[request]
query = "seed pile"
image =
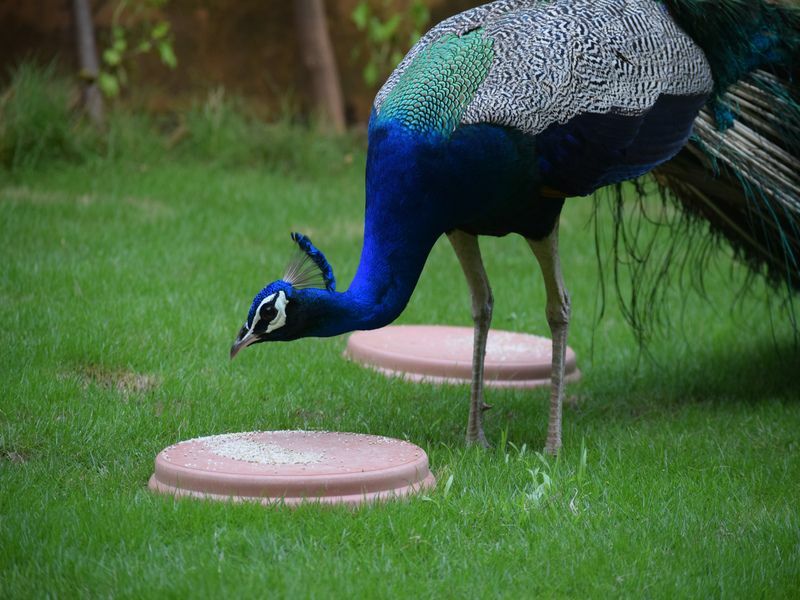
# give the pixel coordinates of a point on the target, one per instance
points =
(245, 447)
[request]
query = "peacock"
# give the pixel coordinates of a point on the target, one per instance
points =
(501, 112)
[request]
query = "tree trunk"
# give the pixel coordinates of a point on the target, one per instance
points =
(317, 53)
(87, 59)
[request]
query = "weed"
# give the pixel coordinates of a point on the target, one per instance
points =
(36, 123)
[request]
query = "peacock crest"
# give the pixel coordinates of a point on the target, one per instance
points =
(309, 268)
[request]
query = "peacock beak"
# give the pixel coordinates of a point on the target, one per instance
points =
(243, 340)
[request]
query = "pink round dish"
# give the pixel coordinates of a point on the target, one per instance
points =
(291, 467)
(443, 354)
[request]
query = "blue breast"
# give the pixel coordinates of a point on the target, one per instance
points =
(477, 179)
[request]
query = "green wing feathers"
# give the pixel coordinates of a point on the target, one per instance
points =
(439, 84)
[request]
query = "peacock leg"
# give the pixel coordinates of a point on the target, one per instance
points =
(558, 312)
(469, 255)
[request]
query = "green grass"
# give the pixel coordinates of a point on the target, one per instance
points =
(123, 284)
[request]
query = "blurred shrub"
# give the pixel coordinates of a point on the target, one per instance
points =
(38, 126)
(132, 137)
(222, 131)
(218, 129)
(36, 123)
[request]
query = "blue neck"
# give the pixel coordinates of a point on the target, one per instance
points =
(418, 186)
(400, 228)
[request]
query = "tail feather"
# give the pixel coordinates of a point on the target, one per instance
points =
(745, 179)
(740, 171)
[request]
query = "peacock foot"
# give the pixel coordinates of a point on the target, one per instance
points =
(552, 447)
(478, 439)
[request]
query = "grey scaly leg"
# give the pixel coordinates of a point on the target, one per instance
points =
(469, 255)
(558, 312)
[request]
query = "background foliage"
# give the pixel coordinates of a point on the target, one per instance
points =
(387, 36)
(136, 29)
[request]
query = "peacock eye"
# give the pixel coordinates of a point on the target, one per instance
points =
(268, 313)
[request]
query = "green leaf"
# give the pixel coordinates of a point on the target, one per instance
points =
(448, 485)
(167, 54)
(374, 28)
(360, 15)
(160, 30)
(111, 57)
(118, 32)
(144, 46)
(383, 32)
(108, 84)
(120, 45)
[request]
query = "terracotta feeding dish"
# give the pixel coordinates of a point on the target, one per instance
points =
(292, 467)
(442, 354)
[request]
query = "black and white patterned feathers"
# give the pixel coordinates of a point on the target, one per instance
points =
(559, 59)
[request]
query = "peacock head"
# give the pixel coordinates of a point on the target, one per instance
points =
(288, 309)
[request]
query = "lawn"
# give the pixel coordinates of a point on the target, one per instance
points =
(123, 285)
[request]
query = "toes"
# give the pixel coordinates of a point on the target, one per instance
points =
(478, 440)
(552, 448)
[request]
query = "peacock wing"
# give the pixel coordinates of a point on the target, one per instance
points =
(457, 25)
(609, 88)
(554, 61)
(584, 75)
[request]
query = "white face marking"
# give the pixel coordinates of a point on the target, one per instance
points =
(257, 316)
(280, 318)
